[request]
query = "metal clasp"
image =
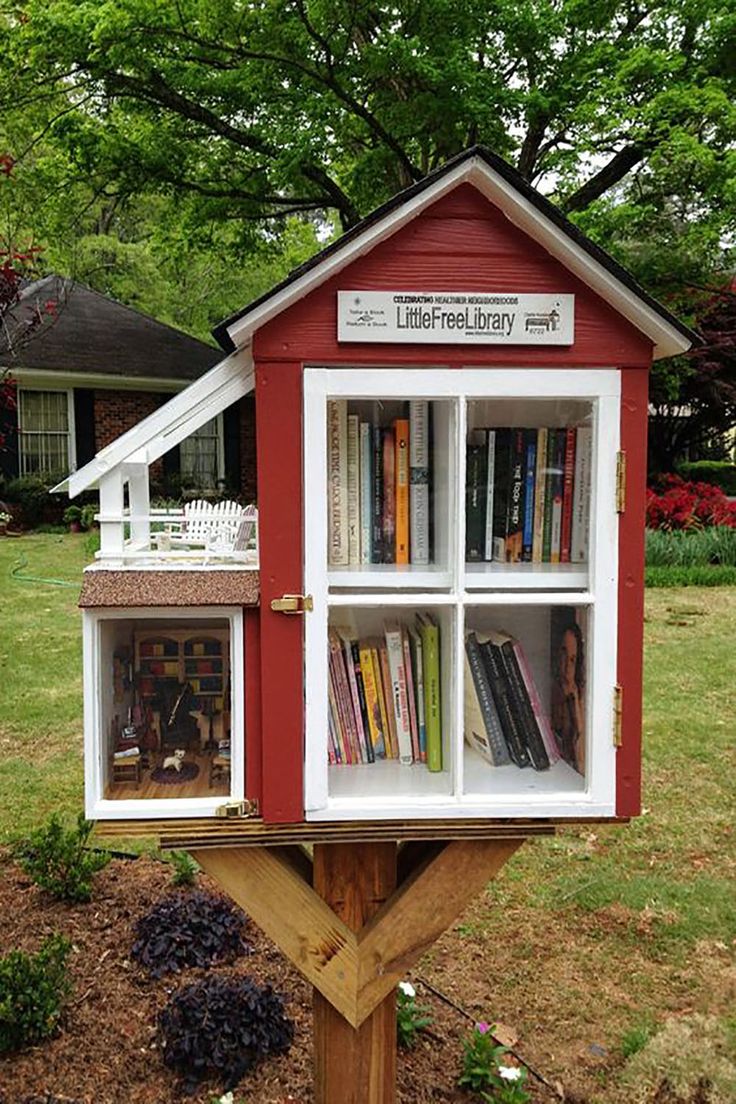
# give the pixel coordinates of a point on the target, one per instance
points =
(292, 603)
(246, 808)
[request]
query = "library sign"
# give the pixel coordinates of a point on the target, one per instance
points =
(455, 317)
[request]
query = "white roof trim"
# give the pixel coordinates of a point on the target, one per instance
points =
(166, 427)
(666, 339)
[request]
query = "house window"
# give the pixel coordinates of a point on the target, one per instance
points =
(45, 432)
(201, 455)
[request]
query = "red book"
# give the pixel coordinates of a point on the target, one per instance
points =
(568, 479)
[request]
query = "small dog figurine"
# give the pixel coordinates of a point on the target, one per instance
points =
(174, 762)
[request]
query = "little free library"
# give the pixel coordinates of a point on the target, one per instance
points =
(430, 629)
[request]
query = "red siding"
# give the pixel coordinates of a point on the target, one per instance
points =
(634, 395)
(279, 437)
(460, 243)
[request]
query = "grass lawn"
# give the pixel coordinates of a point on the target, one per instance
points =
(613, 934)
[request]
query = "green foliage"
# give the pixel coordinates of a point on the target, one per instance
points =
(636, 1037)
(33, 988)
(714, 575)
(72, 514)
(57, 859)
(89, 514)
(691, 548)
(31, 494)
(411, 1018)
(482, 1055)
(720, 472)
(696, 1055)
(185, 868)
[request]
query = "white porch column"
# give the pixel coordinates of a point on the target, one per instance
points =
(139, 501)
(112, 503)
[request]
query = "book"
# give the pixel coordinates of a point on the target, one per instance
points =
(418, 660)
(567, 697)
(338, 724)
(411, 694)
(377, 495)
(419, 480)
(482, 726)
(490, 492)
(558, 475)
(502, 475)
(353, 489)
(520, 702)
(373, 709)
(382, 703)
(475, 497)
(549, 479)
(501, 692)
(568, 480)
(337, 482)
(388, 519)
(343, 699)
(515, 510)
(398, 690)
(387, 688)
(540, 713)
(401, 435)
(366, 490)
(363, 738)
(530, 475)
(582, 485)
(540, 491)
(430, 634)
(363, 705)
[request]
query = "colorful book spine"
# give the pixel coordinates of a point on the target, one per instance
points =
(388, 521)
(530, 475)
(362, 704)
(482, 722)
(558, 477)
(419, 480)
(502, 467)
(386, 687)
(377, 495)
(515, 516)
(373, 708)
(337, 481)
(362, 736)
(343, 699)
(490, 492)
(548, 496)
(417, 656)
(401, 434)
(411, 694)
(353, 489)
(568, 481)
(475, 497)
(429, 631)
(398, 691)
(366, 489)
(582, 486)
(540, 492)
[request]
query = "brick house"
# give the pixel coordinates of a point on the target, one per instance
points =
(96, 371)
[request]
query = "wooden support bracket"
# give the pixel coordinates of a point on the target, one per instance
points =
(355, 970)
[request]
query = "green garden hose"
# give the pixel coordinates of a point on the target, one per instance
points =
(21, 562)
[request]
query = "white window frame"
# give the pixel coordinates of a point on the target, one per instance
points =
(71, 434)
(599, 594)
(97, 807)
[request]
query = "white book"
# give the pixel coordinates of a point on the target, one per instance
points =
(353, 489)
(419, 481)
(337, 483)
(399, 692)
(490, 490)
(366, 490)
(581, 495)
(540, 495)
(128, 753)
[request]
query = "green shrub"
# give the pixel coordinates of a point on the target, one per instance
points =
(691, 547)
(720, 472)
(33, 988)
(30, 493)
(89, 516)
(72, 514)
(59, 861)
(185, 868)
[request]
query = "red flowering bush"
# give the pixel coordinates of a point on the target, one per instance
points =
(675, 504)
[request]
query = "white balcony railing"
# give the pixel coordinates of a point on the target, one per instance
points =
(200, 534)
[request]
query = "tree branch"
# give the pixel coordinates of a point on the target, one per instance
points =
(616, 169)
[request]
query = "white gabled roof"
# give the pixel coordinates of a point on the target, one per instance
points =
(166, 427)
(522, 205)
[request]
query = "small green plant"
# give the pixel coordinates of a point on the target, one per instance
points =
(485, 1072)
(411, 1018)
(72, 515)
(89, 516)
(185, 868)
(636, 1038)
(33, 988)
(59, 861)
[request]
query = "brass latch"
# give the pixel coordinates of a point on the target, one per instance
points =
(246, 808)
(618, 702)
(620, 482)
(292, 603)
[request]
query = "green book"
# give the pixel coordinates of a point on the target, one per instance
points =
(430, 636)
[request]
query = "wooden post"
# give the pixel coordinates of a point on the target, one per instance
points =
(355, 1065)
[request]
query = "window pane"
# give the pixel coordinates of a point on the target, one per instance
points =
(198, 455)
(44, 432)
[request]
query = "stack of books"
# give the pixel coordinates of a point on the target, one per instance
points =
(527, 495)
(505, 720)
(384, 695)
(378, 479)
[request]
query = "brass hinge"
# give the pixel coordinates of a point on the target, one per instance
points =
(620, 482)
(247, 808)
(292, 603)
(618, 701)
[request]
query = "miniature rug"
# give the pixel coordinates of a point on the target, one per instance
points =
(171, 777)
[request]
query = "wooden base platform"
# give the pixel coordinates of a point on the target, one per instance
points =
(198, 787)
